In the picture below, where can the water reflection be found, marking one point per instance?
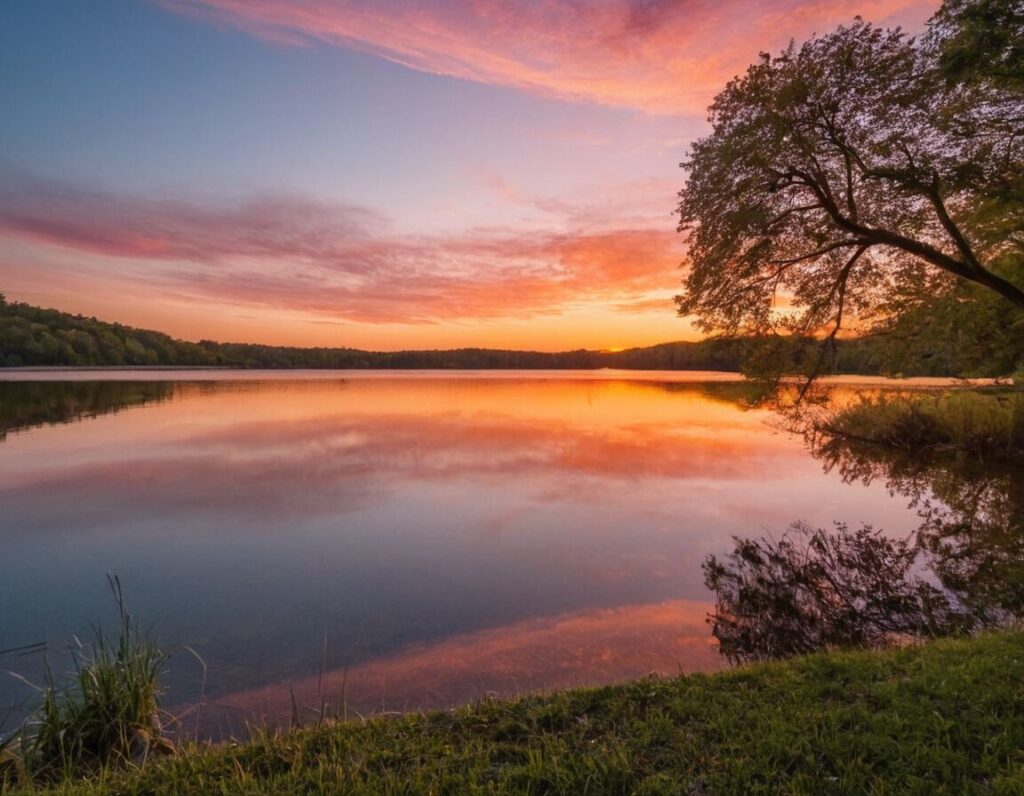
(961, 569)
(248, 518)
(971, 513)
(588, 648)
(25, 405)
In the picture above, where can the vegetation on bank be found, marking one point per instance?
(33, 336)
(946, 717)
(105, 716)
(988, 424)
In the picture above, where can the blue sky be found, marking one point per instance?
(380, 174)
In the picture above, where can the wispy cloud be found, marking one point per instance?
(344, 261)
(664, 56)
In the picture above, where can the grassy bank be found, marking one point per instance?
(947, 717)
(989, 424)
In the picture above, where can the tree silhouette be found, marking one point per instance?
(852, 176)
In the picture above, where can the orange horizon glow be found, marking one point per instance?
(397, 175)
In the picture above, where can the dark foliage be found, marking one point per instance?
(813, 589)
(979, 41)
(967, 331)
(35, 336)
(30, 336)
(859, 176)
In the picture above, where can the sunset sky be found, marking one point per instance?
(388, 174)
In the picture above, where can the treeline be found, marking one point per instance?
(959, 338)
(704, 355)
(34, 336)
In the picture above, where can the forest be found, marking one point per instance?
(965, 334)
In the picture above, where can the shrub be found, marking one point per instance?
(985, 423)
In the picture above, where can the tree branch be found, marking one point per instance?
(787, 213)
(950, 226)
(843, 244)
(924, 251)
(838, 291)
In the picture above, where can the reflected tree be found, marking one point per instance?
(971, 512)
(813, 589)
(24, 405)
(962, 568)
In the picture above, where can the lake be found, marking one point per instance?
(422, 539)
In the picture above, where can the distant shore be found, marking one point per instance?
(219, 373)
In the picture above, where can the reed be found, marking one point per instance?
(106, 715)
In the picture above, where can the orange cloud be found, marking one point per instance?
(342, 261)
(665, 56)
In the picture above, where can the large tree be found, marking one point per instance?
(851, 178)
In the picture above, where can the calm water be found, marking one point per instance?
(447, 537)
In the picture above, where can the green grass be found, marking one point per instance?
(984, 423)
(945, 718)
(106, 716)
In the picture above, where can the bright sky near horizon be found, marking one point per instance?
(379, 174)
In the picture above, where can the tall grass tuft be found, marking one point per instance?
(107, 714)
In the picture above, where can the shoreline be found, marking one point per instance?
(217, 373)
(946, 715)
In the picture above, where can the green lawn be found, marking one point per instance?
(943, 718)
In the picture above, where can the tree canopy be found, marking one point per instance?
(856, 177)
(981, 40)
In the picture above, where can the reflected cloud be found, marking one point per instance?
(328, 453)
(496, 522)
(585, 648)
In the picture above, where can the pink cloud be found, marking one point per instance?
(665, 56)
(344, 261)
(168, 229)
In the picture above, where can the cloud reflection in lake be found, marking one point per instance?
(248, 518)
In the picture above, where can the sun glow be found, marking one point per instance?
(334, 232)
